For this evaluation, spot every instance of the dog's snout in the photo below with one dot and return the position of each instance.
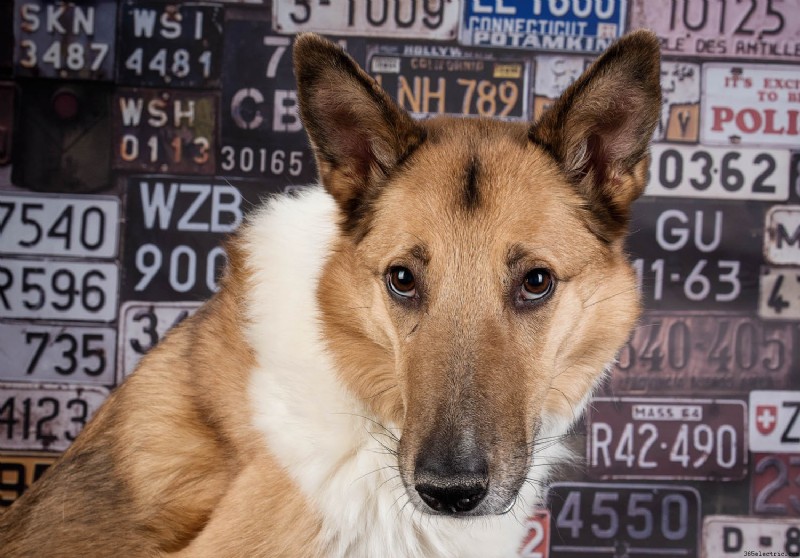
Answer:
(452, 486)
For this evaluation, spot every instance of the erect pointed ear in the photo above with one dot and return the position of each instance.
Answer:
(599, 130)
(358, 133)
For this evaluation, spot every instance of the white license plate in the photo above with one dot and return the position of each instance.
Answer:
(143, 325)
(58, 290)
(736, 536)
(782, 235)
(59, 225)
(411, 19)
(718, 173)
(35, 352)
(45, 418)
(779, 293)
(774, 421)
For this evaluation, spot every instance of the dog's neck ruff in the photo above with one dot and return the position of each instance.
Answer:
(319, 432)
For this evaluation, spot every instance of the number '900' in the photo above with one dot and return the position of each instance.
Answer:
(182, 264)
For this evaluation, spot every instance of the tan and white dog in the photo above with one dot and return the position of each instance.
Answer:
(394, 355)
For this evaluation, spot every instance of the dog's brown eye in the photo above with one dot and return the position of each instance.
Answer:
(538, 283)
(401, 282)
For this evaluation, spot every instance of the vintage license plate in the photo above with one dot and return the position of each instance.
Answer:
(165, 131)
(704, 353)
(37, 352)
(554, 73)
(170, 44)
(736, 536)
(433, 20)
(18, 473)
(59, 225)
(718, 173)
(549, 25)
(143, 325)
(760, 29)
(782, 235)
(748, 104)
(774, 420)
(599, 519)
(680, 110)
(58, 290)
(65, 40)
(434, 80)
(653, 438)
(6, 121)
(536, 543)
(779, 293)
(696, 254)
(262, 136)
(775, 484)
(45, 418)
(174, 232)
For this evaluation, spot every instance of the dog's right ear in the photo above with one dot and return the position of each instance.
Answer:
(357, 131)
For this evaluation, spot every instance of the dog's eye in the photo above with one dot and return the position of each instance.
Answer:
(537, 284)
(401, 282)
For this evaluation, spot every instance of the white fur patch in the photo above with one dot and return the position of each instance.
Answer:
(320, 433)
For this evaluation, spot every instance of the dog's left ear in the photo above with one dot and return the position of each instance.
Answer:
(600, 128)
(357, 131)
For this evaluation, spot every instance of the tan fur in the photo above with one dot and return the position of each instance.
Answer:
(173, 464)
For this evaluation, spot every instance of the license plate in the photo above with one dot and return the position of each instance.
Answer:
(537, 542)
(165, 131)
(736, 536)
(694, 255)
(45, 418)
(680, 109)
(170, 45)
(762, 29)
(779, 293)
(143, 325)
(59, 225)
(701, 353)
(554, 73)
(18, 473)
(36, 352)
(652, 438)
(748, 104)
(55, 290)
(774, 421)
(65, 40)
(174, 232)
(427, 83)
(434, 20)
(775, 483)
(549, 25)
(782, 235)
(6, 121)
(262, 135)
(600, 519)
(718, 173)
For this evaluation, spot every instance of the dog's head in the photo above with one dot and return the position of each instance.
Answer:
(479, 288)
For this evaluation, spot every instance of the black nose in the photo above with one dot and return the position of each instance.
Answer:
(451, 486)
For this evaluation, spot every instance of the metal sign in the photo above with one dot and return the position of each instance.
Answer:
(687, 439)
(18, 473)
(170, 45)
(45, 418)
(774, 421)
(549, 25)
(591, 519)
(680, 110)
(174, 232)
(759, 30)
(782, 235)
(779, 293)
(536, 543)
(700, 353)
(65, 40)
(165, 131)
(433, 20)
(554, 73)
(775, 483)
(748, 104)
(430, 81)
(730, 536)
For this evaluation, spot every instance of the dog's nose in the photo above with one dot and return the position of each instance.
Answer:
(454, 488)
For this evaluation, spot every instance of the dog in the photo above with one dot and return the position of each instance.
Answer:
(395, 355)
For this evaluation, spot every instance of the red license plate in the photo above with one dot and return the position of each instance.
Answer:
(775, 484)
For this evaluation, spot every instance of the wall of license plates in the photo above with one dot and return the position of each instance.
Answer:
(134, 134)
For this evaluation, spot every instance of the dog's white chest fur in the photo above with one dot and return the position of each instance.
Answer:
(342, 461)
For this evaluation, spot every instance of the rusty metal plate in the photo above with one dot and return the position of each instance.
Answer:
(170, 44)
(165, 131)
(66, 40)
